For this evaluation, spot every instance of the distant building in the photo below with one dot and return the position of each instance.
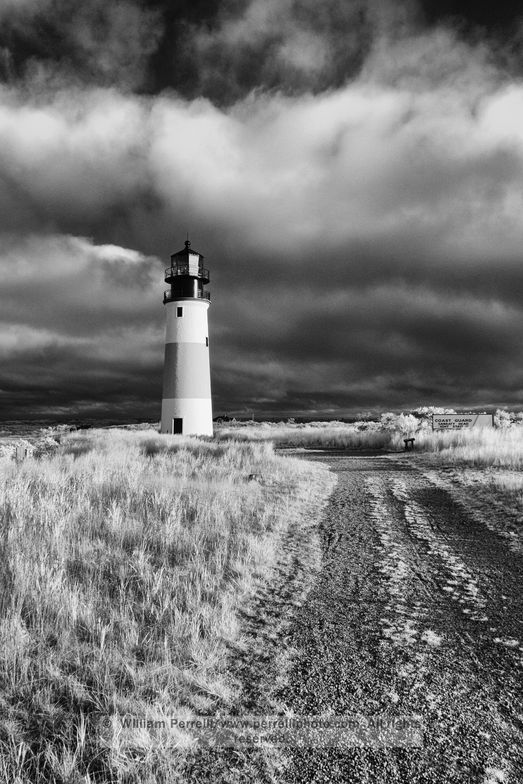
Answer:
(186, 398)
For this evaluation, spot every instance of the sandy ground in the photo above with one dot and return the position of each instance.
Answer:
(410, 605)
(417, 611)
(405, 599)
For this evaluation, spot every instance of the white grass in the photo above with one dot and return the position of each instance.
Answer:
(489, 447)
(126, 557)
(314, 434)
(479, 447)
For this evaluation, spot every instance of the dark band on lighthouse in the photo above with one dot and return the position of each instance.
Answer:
(186, 371)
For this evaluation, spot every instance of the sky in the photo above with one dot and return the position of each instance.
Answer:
(352, 171)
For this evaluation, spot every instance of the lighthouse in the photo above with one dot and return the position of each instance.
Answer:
(186, 398)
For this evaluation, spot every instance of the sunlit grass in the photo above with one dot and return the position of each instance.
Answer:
(125, 560)
(328, 435)
(480, 447)
(477, 447)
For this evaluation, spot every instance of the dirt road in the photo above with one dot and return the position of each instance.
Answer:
(417, 611)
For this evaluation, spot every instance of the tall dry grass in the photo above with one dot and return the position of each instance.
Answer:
(476, 447)
(328, 435)
(479, 447)
(126, 558)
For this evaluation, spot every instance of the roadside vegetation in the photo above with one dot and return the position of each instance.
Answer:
(499, 446)
(327, 435)
(496, 447)
(126, 558)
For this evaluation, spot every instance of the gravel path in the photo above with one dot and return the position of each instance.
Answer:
(417, 611)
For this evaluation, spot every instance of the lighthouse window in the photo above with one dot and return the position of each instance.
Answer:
(206, 341)
(179, 312)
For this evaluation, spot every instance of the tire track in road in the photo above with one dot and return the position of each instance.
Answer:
(470, 562)
(400, 619)
(457, 580)
(492, 591)
(417, 611)
(486, 511)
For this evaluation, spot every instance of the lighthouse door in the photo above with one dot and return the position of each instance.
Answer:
(177, 426)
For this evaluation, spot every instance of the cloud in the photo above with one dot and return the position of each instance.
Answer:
(359, 163)
(395, 343)
(365, 165)
(69, 282)
(78, 319)
(284, 44)
(21, 7)
(224, 50)
(363, 228)
(302, 46)
(70, 159)
(494, 17)
(94, 41)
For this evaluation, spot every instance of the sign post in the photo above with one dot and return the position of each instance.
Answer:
(21, 453)
(461, 421)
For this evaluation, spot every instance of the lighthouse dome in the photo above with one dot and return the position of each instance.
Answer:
(187, 275)
(187, 260)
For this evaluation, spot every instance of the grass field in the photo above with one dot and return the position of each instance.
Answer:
(489, 447)
(126, 558)
(325, 435)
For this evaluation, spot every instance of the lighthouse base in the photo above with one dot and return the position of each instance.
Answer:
(187, 416)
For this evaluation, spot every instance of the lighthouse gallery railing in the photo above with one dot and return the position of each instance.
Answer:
(181, 268)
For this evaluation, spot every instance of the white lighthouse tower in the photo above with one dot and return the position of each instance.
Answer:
(186, 399)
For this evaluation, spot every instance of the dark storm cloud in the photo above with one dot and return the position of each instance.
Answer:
(353, 173)
(221, 50)
(65, 383)
(77, 322)
(281, 44)
(385, 325)
(224, 49)
(393, 344)
(491, 16)
(95, 41)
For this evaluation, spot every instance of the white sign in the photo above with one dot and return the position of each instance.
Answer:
(461, 421)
